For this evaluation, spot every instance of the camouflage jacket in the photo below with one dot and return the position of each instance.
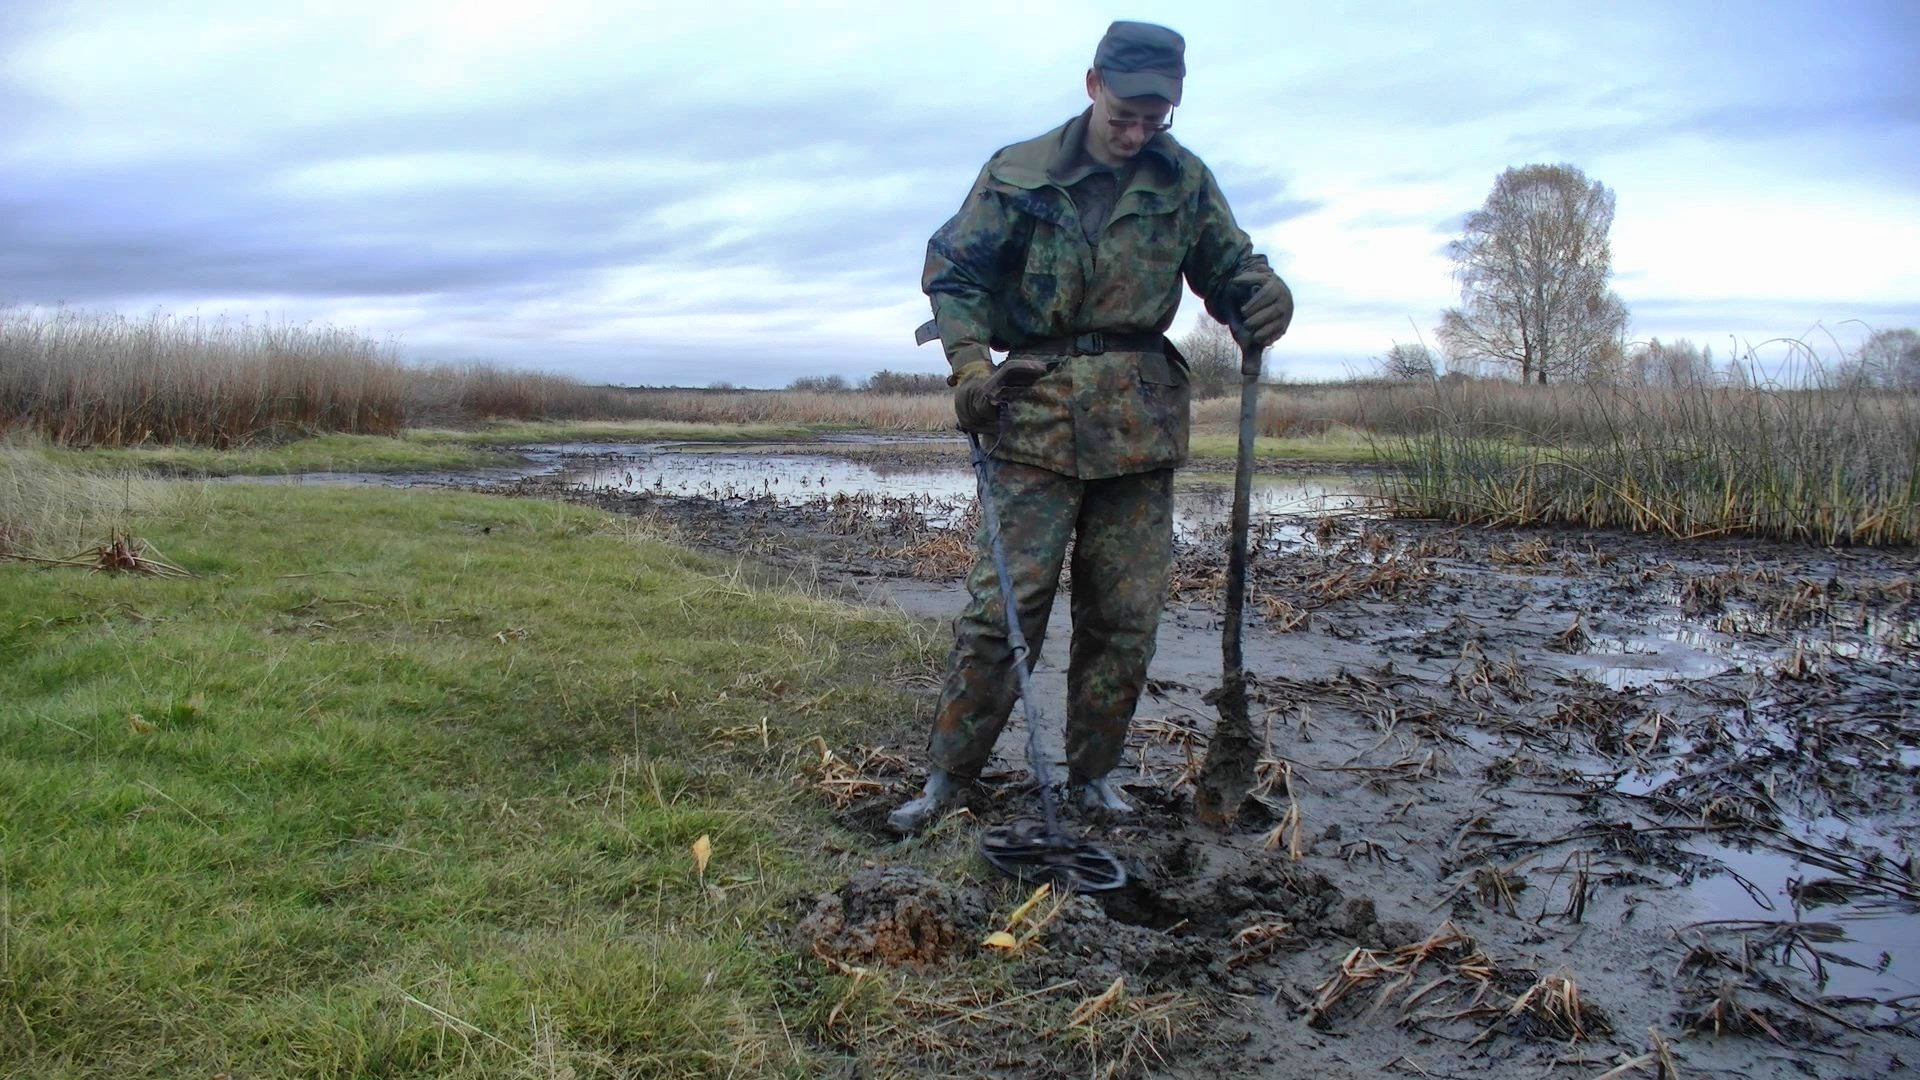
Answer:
(1014, 267)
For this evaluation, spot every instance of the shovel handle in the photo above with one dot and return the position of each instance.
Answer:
(1232, 660)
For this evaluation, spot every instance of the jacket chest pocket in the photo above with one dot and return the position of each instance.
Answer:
(1053, 278)
(1138, 267)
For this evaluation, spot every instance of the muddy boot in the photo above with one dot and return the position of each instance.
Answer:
(1099, 797)
(941, 793)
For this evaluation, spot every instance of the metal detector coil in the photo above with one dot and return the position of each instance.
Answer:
(1024, 851)
(1033, 850)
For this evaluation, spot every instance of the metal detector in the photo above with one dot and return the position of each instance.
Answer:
(1026, 849)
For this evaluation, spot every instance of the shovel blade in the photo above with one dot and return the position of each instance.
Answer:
(1226, 776)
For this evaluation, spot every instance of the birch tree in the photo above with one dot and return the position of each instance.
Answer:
(1533, 266)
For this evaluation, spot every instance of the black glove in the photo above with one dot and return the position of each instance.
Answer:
(981, 390)
(1267, 307)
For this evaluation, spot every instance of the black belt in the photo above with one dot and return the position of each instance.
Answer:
(1093, 345)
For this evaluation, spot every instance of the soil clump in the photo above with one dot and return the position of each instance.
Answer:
(892, 915)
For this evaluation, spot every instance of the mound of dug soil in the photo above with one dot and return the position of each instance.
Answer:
(891, 915)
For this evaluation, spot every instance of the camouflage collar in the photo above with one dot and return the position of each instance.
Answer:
(1056, 159)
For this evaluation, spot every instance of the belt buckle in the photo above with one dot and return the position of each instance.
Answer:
(1090, 344)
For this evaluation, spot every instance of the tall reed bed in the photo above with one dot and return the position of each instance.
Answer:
(1489, 408)
(1830, 466)
(87, 378)
(99, 378)
(462, 393)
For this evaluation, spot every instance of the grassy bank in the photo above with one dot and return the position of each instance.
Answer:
(526, 432)
(404, 785)
(51, 508)
(320, 453)
(1336, 445)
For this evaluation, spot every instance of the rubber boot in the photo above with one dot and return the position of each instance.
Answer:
(1101, 796)
(941, 792)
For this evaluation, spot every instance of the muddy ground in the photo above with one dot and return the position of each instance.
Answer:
(1534, 803)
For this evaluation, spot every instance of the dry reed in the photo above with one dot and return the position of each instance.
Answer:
(1830, 466)
(101, 379)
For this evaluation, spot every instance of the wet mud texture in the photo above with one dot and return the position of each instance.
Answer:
(1528, 803)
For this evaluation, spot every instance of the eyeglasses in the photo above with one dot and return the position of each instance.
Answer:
(1151, 127)
(1147, 126)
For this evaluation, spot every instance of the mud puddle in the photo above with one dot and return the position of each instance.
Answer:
(1857, 945)
(1534, 802)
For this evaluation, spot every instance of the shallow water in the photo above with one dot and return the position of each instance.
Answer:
(1879, 957)
(941, 494)
(1681, 647)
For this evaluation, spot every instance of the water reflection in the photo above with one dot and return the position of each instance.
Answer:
(941, 494)
(1872, 949)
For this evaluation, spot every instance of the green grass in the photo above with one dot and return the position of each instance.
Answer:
(1337, 445)
(425, 450)
(320, 453)
(403, 784)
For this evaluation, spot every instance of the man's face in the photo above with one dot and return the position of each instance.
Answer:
(1122, 126)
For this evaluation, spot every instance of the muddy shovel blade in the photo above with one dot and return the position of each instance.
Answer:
(1227, 774)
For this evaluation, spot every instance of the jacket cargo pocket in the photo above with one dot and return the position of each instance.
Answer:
(1163, 369)
(1164, 396)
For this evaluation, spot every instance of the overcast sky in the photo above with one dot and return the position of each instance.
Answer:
(688, 193)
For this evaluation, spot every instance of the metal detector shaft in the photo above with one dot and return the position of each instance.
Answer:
(1016, 637)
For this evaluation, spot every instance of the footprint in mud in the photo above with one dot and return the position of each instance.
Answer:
(1219, 907)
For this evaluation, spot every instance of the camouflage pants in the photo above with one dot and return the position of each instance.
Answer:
(1122, 532)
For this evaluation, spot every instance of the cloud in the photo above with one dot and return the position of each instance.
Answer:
(659, 192)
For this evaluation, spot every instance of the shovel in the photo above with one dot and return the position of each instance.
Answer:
(1227, 774)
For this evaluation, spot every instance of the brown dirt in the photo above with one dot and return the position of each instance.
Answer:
(892, 915)
(1529, 802)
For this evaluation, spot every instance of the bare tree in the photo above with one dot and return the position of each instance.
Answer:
(1889, 359)
(1676, 363)
(819, 384)
(1213, 357)
(1533, 265)
(1409, 361)
(886, 381)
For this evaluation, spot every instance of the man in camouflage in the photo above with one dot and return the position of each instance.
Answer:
(1069, 254)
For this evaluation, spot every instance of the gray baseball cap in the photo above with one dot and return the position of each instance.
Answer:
(1136, 59)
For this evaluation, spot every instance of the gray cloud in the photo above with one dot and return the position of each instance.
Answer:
(553, 198)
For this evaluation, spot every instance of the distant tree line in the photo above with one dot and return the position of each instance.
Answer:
(880, 382)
